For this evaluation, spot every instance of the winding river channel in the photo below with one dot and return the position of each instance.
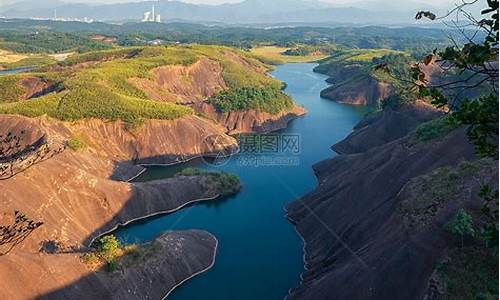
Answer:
(260, 254)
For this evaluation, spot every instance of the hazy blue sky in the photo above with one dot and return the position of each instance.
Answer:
(402, 2)
(331, 1)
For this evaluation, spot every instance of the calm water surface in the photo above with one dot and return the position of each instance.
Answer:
(15, 71)
(260, 254)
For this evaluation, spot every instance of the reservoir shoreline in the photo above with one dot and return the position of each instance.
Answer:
(276, 261)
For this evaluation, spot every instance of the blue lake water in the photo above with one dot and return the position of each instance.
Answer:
(15, 71)
(260, 254)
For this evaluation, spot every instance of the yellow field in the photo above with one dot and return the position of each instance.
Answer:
(61, 56)
(10, 57)
(369, 54)
(274, 55)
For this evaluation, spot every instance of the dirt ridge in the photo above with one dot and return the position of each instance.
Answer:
(82, 194)
(357, 243)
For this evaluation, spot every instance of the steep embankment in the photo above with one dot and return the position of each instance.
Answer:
(250, 120)
(353, 82)
(74, 194)
(362, 78)
(177, 257)
(362, 89)
(380, 128)
(184, 84)
(374, 227)
(76, 132)
(193, 85)
(161, 83)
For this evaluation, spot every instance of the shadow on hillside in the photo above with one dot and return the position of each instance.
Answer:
(87, 287)
(146, 201)
(129, 169)
(156, 197)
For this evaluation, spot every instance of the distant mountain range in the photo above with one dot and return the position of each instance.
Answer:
(246, 12)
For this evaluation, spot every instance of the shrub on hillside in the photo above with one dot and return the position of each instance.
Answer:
(224, 183)
(76, 143)
(435, 129)
(267, 99)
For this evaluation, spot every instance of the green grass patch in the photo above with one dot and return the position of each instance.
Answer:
(441, 185)
(41, 41)
(270, 100)
(470, 273)
(110, 254)
(279, 55)
(46, 105)
(102, 55)
(96, 101)
(319, 51)
(134, 255)
(105, 90)
(224, 183)
(76, 143)
(191, 172)
(434, 129)
(359, 55)
(10, 88)
(32, 61)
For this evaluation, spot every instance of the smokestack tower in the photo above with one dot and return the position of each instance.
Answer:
(151, 16)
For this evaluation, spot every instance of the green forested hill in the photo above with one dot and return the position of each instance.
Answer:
(21, 35)
(100, 84)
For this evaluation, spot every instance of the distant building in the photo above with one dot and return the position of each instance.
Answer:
(151, 16)
(56, 18)
(156, 42)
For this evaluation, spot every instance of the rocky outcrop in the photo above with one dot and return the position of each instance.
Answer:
(251, 120)
(154, 142)
(360, 90)
(193, 85)
(177, 257)
(373, 228)
(353, 84)
(385, 126)
(184, 84)
(77, 196)
(83, 190)
(36, 87)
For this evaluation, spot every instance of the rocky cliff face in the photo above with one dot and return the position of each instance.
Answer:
(82, 194)
(154, 142)
(374, 227)
(381, 127)
(352, 84)
(184, 84)
(362, 90)
(193, 85)
(177, 257)
(248, 121)
(36, 87)
(74, 177)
